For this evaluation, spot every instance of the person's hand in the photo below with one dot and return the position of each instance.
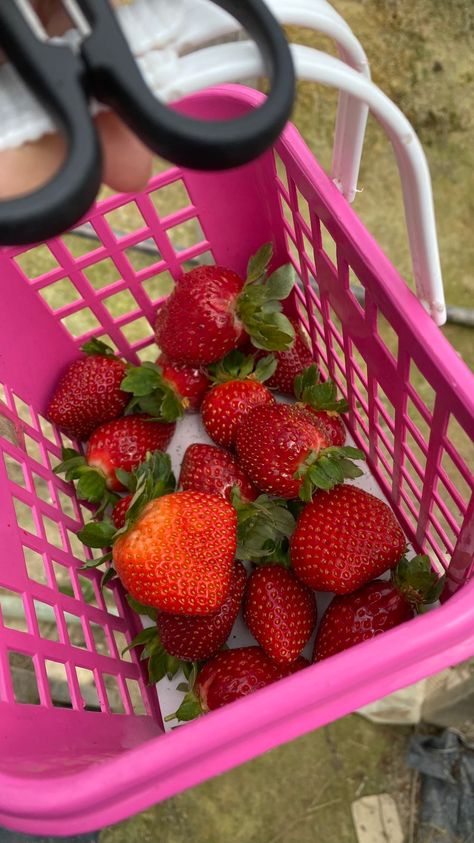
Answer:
(126, 161)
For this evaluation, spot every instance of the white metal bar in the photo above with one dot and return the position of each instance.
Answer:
(234, 62)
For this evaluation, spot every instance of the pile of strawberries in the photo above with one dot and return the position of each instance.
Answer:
(270, 492)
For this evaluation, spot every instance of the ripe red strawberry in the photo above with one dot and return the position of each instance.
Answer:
(178, 555)
(320, 399)
(285, 454)
(344, 539)
(165, 389)
(124, 444)
(229, 675)
(238, 387)
(89, 393)
(120, 510)
(180, 641)
(292, 361)
(376, 607)
(119, 445)
(211, 308)
(207, 468)
(197, 638)
(190, 382)
(280, 612)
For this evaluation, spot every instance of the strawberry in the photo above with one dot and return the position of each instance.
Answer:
(320, 399)
(286, 454)
(344, 539)
(190, 382)
(206, 468)
(376, 607)
(292, 361)
(178, 641)
(178, 555)
(118, 446)
(280, 612)
(212, 308)
(89, 393)
(229, 675)
(119, 511)
(165, 389)
(238, 387)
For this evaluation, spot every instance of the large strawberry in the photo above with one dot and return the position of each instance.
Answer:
(292, 361)
(119, 445)
(89, 392)
(238, 386)
(286, 454)
(345, 538)
(320, 399)
(377, 606)
(178, 555)
(206, 468)
(229, 675)
(165, 389)
(178, 640)
(280, 612)
(212, 310)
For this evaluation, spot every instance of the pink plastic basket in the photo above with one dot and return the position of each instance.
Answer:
(72, 769)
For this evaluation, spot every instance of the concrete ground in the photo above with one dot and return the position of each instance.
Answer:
(421, 55)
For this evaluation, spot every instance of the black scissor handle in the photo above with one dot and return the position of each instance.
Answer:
(198, 144)
(54, 74)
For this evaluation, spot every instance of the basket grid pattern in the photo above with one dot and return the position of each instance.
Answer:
(408, 438)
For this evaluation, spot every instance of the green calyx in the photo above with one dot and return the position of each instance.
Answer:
(160, 662)
(91, 485)
(97, 348)
(190, 707)
(152, 394)
(152, 479)
(259, 304)
(237, 366)
(327, 468)
(264, 527)
(418, 582)
(321, 396)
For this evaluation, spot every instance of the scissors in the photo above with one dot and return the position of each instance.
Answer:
(103, 67)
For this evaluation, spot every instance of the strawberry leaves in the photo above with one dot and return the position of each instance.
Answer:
(327, 469)
(95, 347)
(320, 396)
(160, 662)
(152, 393)
(91, 485)
(264, 527)
(418, 581)
(238, 366)
(259, 304)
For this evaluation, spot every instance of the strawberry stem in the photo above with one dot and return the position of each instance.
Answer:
(419, 583)
(259, 304)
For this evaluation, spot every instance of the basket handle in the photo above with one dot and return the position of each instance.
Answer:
(237, 62)
(202, 22)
